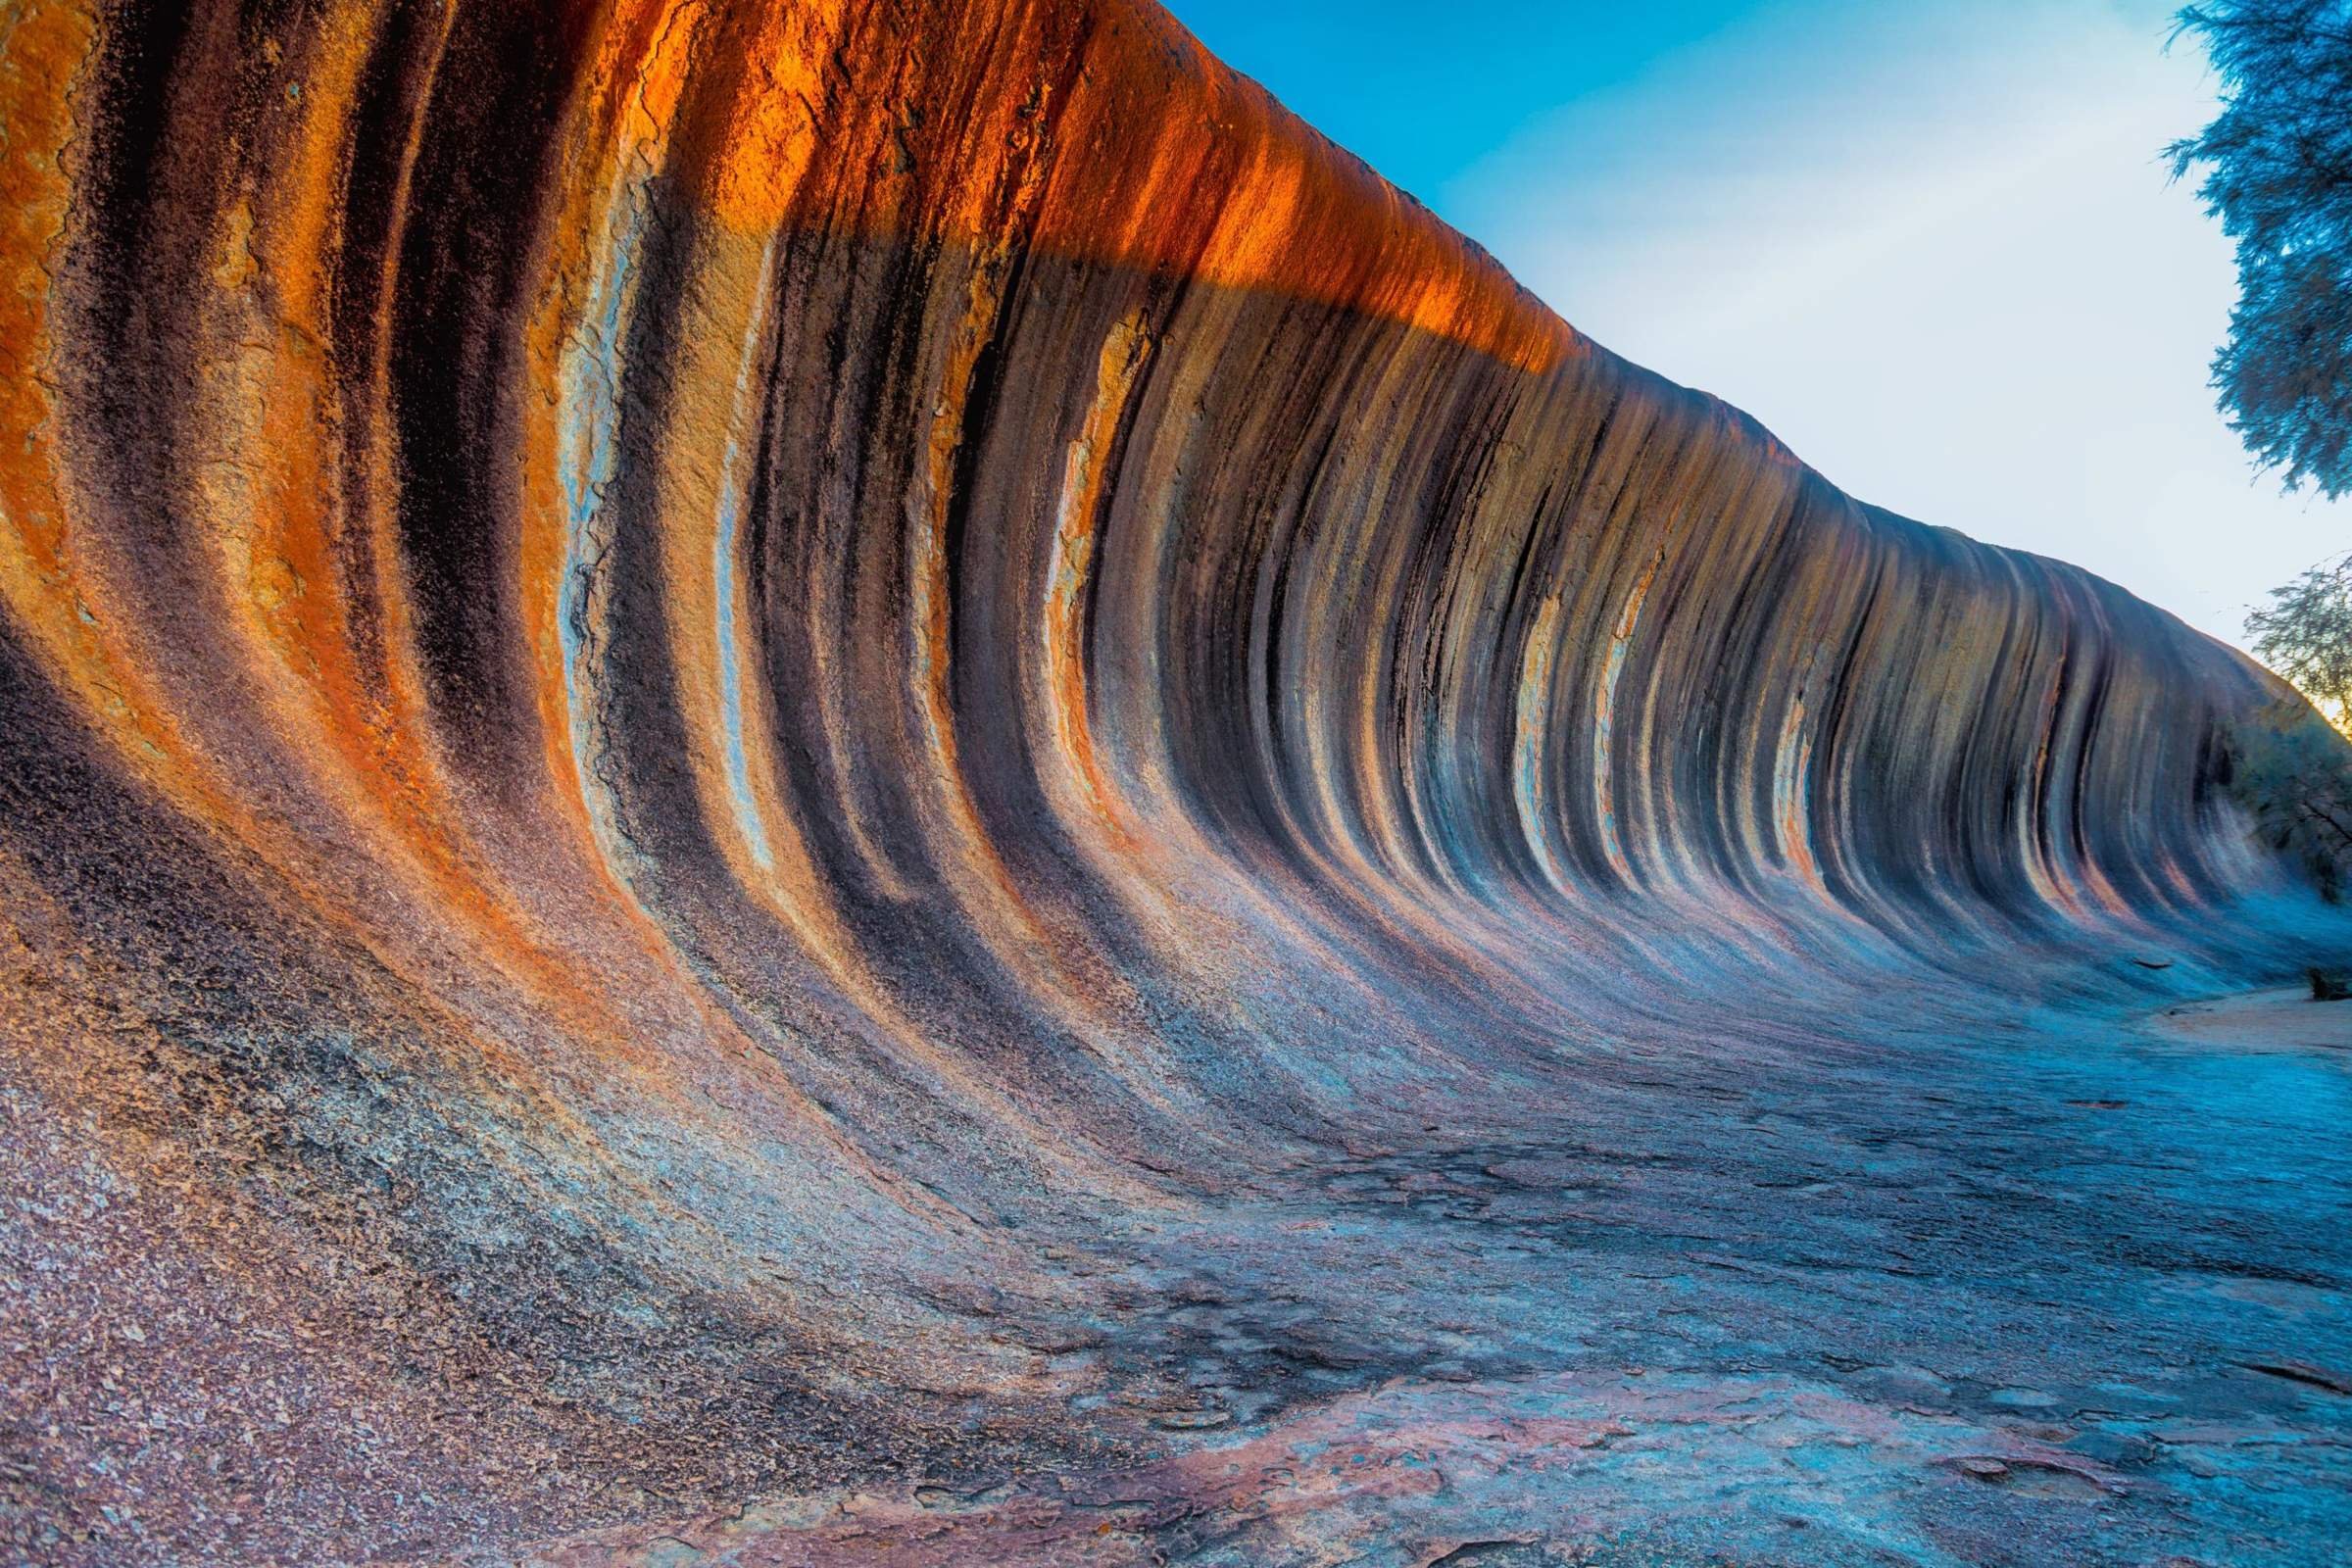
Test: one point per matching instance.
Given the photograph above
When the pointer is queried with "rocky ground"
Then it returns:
(2074, 1296)
(871, 783)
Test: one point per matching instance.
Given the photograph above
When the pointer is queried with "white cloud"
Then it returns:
(1935, 248)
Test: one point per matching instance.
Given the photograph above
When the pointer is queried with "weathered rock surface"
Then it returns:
(792, 782)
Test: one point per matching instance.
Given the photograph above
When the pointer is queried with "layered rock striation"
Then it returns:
(703, 701)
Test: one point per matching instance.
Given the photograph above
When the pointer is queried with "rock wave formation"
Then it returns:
(765, 767)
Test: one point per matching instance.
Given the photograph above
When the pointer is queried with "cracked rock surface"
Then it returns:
(879, 782)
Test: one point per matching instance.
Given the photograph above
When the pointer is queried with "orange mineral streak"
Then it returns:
(768, 80)
(1084, 480)
(1077, 674)
(297, 559)
(708, 418)
(49, 591)
(274, 537)
(999, 909)
(635, 89)
(41, 50)
(1283, 210)
(630, 92)
(823, 115)
(42, 47)
(635, 85)
(714, 143)
(627, 102)
(1792, 820)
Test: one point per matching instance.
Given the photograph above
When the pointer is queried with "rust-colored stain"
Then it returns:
(721, 719)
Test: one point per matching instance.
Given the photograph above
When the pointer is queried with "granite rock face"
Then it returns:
(794, 782)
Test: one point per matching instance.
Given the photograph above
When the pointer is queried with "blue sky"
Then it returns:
(1931, 244)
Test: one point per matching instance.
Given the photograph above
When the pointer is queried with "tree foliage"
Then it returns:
(2277, 172)
(2293, 775)
(2292, 772)
(2306, 635)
